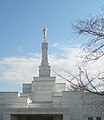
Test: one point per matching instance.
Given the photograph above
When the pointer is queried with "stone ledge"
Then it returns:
(43, 110)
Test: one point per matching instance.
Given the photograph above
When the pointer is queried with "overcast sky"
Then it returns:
(21, 26)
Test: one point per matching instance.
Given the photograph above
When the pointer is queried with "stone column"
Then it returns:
(66, 116)
(7, 117)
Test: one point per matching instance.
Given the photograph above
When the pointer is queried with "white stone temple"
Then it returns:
(44, 99)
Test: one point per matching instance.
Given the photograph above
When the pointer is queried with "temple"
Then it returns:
(44, 99)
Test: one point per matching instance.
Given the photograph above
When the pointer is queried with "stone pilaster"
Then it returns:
(7, 117)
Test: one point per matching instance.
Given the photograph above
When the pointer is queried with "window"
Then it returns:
(90, 118)
(98, 118)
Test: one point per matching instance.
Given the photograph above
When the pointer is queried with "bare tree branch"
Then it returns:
(93, 29)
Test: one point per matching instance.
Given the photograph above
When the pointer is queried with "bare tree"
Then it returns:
(83, 79)
(93, 29)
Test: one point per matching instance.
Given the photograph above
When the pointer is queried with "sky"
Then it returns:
(21, 35)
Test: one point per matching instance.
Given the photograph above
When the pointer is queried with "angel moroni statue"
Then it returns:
(45, 33)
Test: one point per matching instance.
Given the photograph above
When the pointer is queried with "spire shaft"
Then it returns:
(44, 52)
(44, 69)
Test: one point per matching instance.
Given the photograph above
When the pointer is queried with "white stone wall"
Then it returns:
(27, 88)
(83, 105)
(80, 105)
(59, 87)
(11, 100)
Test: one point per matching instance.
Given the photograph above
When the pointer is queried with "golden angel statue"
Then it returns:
(45, 33)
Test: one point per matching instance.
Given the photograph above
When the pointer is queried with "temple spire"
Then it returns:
(45, 33)
(44, 69)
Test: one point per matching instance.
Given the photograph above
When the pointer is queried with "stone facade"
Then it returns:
(44, 99)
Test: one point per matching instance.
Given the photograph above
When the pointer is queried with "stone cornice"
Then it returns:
(43, 110)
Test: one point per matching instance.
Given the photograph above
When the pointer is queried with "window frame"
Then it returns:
(98, 118)
(90, 118)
